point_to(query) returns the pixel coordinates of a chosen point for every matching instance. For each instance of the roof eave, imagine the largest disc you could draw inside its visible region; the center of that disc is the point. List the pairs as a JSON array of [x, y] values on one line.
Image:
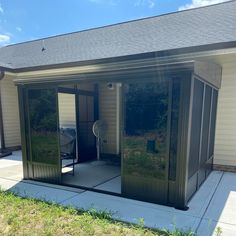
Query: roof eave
[[179, 54]]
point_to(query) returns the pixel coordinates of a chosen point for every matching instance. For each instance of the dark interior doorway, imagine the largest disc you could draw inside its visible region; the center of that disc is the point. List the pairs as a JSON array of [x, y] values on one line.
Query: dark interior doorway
[[86, 116]]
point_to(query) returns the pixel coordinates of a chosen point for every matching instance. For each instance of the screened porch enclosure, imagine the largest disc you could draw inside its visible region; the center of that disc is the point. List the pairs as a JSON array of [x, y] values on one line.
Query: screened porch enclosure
[[157, 135]]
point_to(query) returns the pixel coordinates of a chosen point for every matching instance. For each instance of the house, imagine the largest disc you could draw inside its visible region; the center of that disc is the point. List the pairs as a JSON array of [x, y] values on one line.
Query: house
[[142, 109]]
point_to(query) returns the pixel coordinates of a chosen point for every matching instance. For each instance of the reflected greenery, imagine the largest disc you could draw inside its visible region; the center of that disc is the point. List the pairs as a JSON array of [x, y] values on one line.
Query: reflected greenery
[[146, 107], [44, 147], [43, 125], [139, 162], [42, 106], [146, 110]]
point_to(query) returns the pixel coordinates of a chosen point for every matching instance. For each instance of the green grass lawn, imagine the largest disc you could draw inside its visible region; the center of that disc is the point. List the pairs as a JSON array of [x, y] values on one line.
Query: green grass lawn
[[19, 216]]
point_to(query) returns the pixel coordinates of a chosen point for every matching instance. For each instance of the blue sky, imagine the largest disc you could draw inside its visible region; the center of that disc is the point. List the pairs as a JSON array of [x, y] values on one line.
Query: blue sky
[[24, 20]]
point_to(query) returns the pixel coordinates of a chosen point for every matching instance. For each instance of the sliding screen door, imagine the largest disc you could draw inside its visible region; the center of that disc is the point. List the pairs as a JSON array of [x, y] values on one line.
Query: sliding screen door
[[43, 135], [145, 141]]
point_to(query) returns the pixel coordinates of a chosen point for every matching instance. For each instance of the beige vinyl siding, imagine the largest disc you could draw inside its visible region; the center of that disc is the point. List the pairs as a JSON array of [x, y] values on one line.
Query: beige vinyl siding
[[107, 112], [10, 110], [66, 105], [225, 141]]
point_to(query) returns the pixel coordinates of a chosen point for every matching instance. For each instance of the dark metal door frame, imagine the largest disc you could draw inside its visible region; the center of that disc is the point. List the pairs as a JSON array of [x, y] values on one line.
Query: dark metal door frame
[[79, 92], [28, 163]]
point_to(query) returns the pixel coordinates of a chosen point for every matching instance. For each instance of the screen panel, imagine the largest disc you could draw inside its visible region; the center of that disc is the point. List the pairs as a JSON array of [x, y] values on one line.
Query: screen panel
[[206, 123], [205, 135], [195, 127], [145, 140], [44, 139]]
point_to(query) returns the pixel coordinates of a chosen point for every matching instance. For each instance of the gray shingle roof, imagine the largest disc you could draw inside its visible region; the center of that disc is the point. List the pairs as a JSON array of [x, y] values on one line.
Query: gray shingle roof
[[201, 26]]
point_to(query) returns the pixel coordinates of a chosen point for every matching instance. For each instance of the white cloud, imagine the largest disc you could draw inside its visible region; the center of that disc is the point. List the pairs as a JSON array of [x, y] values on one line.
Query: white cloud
[[19, 29], [1, 9], [4, 39], [149, 3], [200, 3]]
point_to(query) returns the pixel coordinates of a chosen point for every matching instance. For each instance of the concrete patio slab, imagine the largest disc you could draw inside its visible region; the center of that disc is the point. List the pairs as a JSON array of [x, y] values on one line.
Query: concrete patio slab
[[155, 216], [14, 172], [200, 201], [16, 156], [223, 204], [44, 193], [113, 185], [209, 228], [98, 173], [221, 212], [11, 166], [8, 163], [56, 186]]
